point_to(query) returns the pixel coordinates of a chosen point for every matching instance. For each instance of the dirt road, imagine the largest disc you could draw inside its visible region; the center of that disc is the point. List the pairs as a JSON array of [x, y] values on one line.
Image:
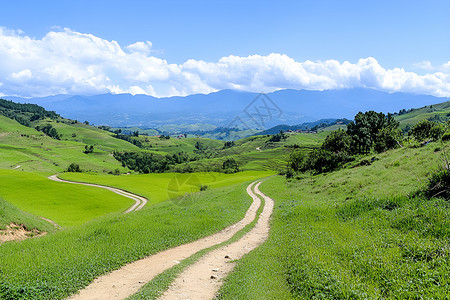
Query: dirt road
[[127, 280], [139, 201], [202, 279]]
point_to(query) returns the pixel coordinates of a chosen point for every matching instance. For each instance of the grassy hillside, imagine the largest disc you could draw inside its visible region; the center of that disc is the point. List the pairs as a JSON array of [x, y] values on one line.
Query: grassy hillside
[[352, 234], [440, 111], [26, 149], [86, 134], [11, 214], [174, 145]]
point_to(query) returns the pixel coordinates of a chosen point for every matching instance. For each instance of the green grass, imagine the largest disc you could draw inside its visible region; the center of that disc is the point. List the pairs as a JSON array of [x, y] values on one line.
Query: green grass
[[90, 135], [33, 151], [57, 265], [158, 285], [11, 214], [160, 187], [417, 115], [175, 145], [64, 203], [352, 234]]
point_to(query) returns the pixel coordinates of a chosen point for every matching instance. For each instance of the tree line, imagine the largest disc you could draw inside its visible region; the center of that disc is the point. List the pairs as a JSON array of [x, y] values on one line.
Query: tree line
[[369, 131]]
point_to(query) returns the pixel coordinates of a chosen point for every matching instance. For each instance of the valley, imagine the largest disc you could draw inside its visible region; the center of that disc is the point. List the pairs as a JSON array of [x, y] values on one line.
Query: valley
[[100, 205]]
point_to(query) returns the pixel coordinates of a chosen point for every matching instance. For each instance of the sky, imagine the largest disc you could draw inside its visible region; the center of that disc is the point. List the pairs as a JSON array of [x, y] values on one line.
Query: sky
[[165, 48]]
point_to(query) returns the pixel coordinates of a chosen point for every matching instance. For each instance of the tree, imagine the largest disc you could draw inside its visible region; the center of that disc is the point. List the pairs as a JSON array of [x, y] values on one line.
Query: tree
[[296, 160], [230, 166], [73, 168], [426, 129], [88, 149], [387, 138], [228, 144], [364, 129], [337, 141]]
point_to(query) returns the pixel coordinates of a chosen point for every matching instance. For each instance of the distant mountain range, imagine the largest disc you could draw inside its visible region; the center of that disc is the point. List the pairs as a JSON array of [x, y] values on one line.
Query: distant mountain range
[[228, 108]]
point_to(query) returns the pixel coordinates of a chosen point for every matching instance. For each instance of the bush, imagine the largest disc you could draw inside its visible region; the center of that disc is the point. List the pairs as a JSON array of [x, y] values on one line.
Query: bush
[[438, 185], [387, 138], [427, 130], [230, 166], [446, 137], [203, 187], [337, 141], [73, 168]]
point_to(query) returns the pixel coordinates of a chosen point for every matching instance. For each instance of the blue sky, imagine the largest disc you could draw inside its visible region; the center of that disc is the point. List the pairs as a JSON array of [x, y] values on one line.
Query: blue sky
[[411, 35]]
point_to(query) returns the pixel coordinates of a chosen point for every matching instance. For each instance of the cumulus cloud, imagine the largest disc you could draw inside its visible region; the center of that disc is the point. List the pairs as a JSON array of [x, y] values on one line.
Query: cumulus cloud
[[69, 62]]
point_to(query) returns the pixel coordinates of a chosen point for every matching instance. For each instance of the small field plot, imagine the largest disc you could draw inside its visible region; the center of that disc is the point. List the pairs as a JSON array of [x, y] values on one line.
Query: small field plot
[[64, 203]]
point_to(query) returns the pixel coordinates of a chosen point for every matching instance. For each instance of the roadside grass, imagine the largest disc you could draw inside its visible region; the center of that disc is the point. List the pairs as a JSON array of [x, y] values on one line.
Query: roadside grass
[[163, 186], [158, 285], [33, 151], [57, 265], [352, 234], [11, 214], [64, 203]]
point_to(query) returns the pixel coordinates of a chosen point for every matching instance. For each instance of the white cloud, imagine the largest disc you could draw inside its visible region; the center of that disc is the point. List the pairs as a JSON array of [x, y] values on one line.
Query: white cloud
[[140, 47], [66, 61]]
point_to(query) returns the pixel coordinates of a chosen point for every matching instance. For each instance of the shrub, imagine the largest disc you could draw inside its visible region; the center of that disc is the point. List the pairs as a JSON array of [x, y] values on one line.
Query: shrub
[[230, 166], [427, 130], [74, 168], [439, 185]]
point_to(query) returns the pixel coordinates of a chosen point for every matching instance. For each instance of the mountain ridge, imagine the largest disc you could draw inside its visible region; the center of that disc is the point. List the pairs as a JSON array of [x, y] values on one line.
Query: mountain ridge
[[224, 107]]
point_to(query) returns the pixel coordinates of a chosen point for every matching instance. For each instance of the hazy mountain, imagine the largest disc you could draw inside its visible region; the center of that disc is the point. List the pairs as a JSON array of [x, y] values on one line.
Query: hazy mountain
[[229, 108]]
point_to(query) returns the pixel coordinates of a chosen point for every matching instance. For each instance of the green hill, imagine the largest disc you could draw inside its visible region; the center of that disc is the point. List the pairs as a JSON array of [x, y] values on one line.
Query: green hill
[[437, 112]]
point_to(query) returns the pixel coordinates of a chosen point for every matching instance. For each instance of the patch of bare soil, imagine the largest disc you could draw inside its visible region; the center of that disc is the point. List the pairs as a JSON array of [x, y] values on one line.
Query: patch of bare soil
[[15, 232]]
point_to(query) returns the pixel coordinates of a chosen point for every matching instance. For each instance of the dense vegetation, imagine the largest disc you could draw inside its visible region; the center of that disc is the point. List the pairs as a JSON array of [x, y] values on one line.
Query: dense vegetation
[[25, 113]]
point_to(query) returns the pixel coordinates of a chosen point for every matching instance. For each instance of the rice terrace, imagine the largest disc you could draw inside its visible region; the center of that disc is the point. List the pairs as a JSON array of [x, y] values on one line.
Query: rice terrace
[[224, 150]]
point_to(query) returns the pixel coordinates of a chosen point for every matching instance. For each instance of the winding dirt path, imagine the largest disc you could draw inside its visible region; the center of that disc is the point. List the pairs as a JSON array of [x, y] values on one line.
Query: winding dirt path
[[139, 201], [127, 280], [202, 279]]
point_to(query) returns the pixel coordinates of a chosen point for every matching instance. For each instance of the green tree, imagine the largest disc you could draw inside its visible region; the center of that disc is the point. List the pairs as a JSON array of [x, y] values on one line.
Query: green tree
[[88, 149], [426, 129], [230, 166], [337, 141], [387, 138], [364, 129], [74, 168]]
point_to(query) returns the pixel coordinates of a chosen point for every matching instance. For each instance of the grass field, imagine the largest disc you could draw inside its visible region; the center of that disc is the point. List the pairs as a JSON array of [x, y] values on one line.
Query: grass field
[[417, 115], [352, 234], [160, 187], [175, 145], [57, 265], [33, 151], [90, 135], [11, 214], [64, 203]]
